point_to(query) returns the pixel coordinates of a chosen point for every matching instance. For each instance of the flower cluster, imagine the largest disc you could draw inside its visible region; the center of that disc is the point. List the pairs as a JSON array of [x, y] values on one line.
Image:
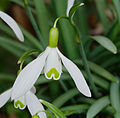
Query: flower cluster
[[28, 99], [50, 63]]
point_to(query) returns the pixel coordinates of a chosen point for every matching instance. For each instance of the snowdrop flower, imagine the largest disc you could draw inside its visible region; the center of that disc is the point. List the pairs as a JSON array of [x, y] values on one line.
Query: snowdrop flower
[[13, 25], [29, 100], [69, 5], [49, 63]]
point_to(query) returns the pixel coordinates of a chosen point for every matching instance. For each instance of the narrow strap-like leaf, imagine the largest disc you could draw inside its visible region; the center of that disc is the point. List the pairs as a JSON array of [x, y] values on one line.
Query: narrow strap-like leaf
[[106, 43], [98, 106], [55, 110]]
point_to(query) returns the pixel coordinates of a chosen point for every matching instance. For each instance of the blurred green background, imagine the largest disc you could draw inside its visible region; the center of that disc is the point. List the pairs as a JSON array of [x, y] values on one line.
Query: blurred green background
[[96, 17]]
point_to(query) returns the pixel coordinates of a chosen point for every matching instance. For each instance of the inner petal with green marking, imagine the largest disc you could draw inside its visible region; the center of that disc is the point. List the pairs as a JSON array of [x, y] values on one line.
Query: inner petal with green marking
[[53, 71], [35, 116], [18, 104]]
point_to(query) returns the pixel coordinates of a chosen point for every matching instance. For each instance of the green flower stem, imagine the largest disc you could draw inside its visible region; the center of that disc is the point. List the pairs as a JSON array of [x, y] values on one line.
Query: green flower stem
[[55, 23], [90, 79], [34, 23]]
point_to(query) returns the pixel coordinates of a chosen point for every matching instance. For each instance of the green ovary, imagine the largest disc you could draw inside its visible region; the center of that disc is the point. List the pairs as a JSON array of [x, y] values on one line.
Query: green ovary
[[19, 103], [53, 71]]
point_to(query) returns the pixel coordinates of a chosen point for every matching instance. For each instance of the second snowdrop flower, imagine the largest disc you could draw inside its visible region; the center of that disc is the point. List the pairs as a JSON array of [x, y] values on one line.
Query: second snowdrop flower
[[29, 99]]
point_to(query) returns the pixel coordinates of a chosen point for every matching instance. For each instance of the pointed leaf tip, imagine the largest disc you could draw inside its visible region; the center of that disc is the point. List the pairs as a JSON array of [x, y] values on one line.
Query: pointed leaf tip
[[106, 43]]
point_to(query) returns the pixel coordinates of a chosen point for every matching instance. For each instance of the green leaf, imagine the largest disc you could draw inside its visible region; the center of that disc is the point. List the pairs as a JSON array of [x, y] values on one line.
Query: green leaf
[[61, 100], [98, 81], [106, 43], [7, 77], [99, 70], [82, 108], [55, 110], [32, 39], [43, 20], [117, 114], [33, 22], [103, 16], [115, 95], [117, 8], [15, 44], [73, 10], [19, 2], [97, 106], [11, 49]]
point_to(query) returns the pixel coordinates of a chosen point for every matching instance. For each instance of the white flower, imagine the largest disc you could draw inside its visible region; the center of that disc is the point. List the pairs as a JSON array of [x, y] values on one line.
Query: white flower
[[49, 63], [69, 6], [28, 99], [13, 25]]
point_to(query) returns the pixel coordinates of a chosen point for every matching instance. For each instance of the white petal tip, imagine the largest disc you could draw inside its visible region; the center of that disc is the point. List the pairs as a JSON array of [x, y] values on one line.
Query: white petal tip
[[22, 40], [87, 94], [13, 25]]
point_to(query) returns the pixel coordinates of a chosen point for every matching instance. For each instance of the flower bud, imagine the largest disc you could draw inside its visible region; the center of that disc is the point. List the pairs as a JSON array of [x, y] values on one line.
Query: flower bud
[[53, 37]]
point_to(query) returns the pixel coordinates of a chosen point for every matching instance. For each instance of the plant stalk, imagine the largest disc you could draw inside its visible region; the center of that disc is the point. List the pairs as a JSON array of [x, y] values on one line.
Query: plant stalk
[[84, 58], [34, 24]]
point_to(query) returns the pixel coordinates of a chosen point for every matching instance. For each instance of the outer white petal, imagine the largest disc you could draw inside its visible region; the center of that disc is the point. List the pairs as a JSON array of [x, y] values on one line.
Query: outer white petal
[[22, 100], [69, 5], [76, 75], [4, 97], [53, 61], [34, 105], [29, 75], [12, 24]]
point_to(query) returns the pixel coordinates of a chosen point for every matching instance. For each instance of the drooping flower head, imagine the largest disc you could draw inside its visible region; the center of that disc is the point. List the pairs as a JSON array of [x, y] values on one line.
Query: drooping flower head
[[50, 63], [29, 99]]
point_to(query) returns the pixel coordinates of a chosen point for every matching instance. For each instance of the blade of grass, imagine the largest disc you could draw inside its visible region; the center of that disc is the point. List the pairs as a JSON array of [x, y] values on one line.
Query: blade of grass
[[99, 70], [43, 20], [34, 23], [101, 11], [117, 8], [61, 100], [106, 43], [32, 39], [7, 77], [11, 49], [15, 44], [115, 96], [98, 106]]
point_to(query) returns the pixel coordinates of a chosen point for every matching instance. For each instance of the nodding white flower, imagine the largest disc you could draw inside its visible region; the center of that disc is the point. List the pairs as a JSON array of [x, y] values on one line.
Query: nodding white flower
[[28, 99], [13, 25], [69, 6], [49, 63]]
